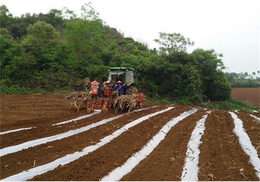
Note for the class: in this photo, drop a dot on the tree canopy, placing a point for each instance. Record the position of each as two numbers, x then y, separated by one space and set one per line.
58 50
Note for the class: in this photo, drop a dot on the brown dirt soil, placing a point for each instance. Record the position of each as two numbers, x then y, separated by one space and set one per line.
248 95
221 157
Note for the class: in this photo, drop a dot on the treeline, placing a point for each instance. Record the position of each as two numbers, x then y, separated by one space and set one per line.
237 80
58 50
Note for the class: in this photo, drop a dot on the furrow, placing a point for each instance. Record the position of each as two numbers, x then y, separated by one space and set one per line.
246 144
28 174
15 130
78 118
135 159
190 168
16 148
221 156
17 162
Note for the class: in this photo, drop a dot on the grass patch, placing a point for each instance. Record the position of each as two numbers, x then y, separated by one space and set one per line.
63 91
230 104
184 101
15 89
149 100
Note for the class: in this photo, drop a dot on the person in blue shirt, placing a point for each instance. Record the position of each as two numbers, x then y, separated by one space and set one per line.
120 87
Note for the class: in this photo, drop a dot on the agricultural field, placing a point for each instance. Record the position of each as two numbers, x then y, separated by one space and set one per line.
42 139
250 96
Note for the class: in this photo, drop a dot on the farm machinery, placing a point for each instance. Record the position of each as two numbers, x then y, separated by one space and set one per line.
118 92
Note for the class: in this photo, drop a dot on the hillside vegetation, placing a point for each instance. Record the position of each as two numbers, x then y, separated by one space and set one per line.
56 51
238 80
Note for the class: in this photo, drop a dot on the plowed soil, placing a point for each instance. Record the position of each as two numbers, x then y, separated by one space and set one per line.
221 157
248 95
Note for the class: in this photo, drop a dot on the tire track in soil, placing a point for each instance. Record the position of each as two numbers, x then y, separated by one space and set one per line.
166 162
252 128
99 163
45 153
221 157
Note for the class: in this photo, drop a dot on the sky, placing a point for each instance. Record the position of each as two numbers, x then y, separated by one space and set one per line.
230 27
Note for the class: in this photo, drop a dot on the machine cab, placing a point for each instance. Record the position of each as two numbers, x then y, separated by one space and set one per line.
126 74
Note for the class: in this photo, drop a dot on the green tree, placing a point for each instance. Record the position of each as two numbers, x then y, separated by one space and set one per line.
21 69
6 18
42 42
6 54
17 25
88 12
17 66
68 14
84 37
214 84
178 76
171 43
5 44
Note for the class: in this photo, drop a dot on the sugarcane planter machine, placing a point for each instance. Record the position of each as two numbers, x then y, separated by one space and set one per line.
118 92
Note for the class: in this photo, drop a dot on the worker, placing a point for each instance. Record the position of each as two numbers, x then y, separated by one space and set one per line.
120 87
100 90
94 87
107 84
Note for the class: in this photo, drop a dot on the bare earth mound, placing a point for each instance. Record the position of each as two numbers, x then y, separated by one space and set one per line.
34 134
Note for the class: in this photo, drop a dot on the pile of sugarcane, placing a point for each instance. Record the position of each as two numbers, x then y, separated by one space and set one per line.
78 98
124 102
118 103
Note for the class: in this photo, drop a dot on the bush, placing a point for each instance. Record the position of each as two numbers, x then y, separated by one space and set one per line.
229 104
15 89
184 101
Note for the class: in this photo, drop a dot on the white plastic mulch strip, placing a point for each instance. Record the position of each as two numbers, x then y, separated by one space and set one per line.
11 131
76 119
28 174
79 118
136 158
246 144
32 143
255 117
190 168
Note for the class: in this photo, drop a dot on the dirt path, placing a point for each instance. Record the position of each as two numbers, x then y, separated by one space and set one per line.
221 157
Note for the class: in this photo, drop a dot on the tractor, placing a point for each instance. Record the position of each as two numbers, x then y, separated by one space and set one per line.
103 96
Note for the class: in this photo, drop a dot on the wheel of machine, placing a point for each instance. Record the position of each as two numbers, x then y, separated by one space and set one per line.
131 90
88 110
104 107
89 107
